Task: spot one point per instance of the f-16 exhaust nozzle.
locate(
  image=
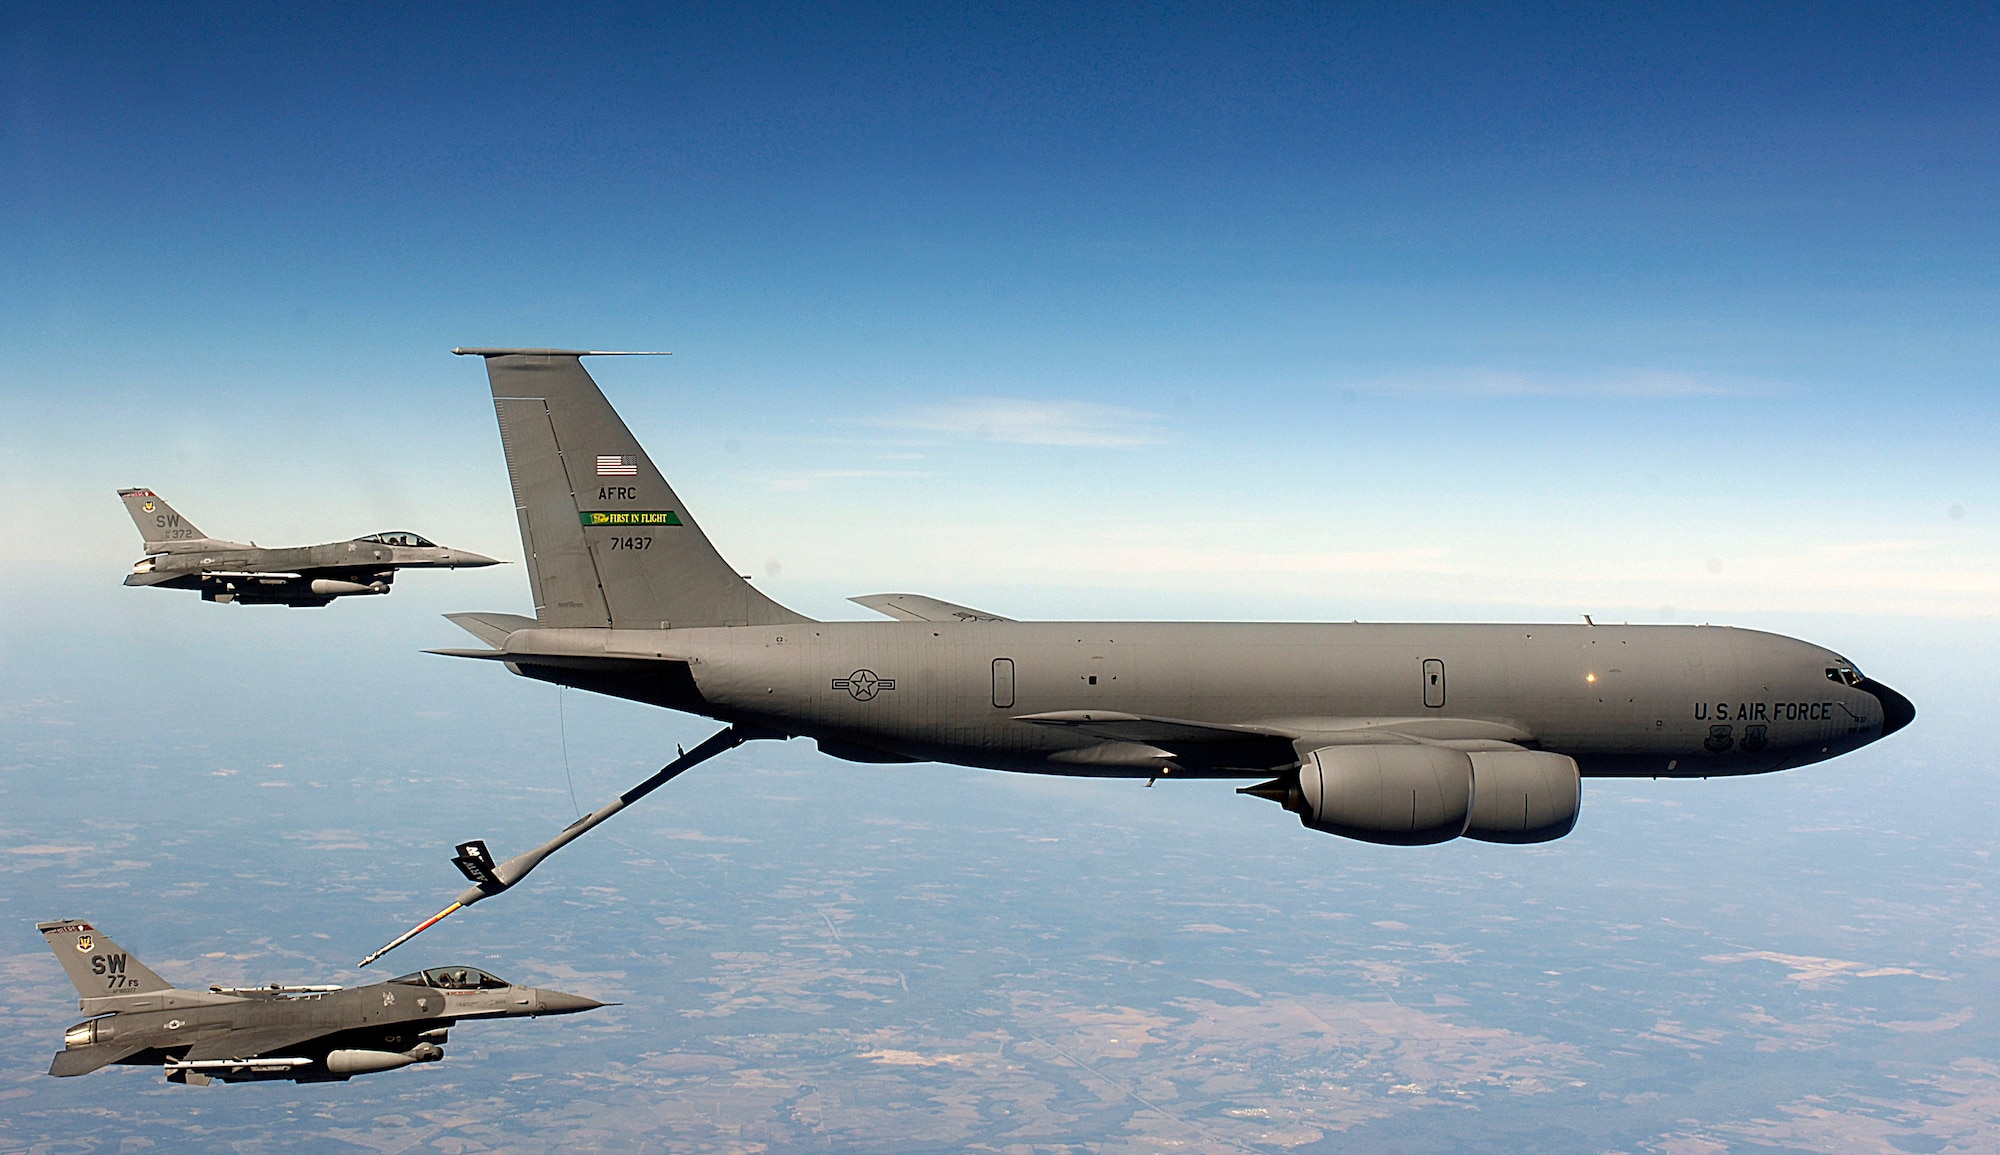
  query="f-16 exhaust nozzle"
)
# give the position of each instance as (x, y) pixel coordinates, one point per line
(490, 878)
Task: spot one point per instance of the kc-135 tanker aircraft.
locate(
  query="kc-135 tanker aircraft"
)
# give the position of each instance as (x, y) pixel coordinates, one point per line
(181, 557)
(1388, 733)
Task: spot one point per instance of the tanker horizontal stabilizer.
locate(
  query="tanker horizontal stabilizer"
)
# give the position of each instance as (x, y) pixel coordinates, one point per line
(493, 629)
(918, 608)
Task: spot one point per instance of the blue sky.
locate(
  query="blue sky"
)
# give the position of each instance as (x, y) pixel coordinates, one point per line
(1668, 314)
(1172, 311)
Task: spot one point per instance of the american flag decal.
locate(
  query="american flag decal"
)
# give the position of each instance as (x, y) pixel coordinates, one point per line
(615, 466)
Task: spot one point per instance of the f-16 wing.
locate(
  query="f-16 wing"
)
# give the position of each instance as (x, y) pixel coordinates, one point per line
(252, 1042)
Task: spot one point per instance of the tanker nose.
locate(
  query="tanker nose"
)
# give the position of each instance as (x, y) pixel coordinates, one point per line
(1897, 711)
(558, 1003)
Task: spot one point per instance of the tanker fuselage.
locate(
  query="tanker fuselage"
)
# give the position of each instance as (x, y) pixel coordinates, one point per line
(1667, 701)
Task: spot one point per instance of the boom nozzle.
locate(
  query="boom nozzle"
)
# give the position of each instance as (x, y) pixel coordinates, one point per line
(413, 932)
(489, 878)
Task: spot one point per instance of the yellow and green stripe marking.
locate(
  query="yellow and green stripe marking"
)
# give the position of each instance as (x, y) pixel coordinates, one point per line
(630, 517)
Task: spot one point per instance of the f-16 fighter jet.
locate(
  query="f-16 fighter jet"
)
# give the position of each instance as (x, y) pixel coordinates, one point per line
(181, 557)
(247, 1034)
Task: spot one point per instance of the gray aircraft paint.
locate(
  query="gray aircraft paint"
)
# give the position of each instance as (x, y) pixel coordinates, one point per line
(304, 1034)
(180, 556)
(632, 600)
(1622, 700)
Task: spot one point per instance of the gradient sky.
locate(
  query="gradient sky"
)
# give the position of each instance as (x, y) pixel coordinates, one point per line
(1179, 311)
(1454, 313)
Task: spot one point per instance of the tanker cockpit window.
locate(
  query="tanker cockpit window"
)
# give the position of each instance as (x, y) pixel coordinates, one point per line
(1845, 675)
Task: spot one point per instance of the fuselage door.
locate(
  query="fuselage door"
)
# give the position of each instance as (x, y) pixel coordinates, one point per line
(1434, 683)
(1003, 683)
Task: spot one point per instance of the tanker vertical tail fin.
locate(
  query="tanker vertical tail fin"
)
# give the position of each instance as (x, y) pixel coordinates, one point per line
(95, 964)
(608, 543)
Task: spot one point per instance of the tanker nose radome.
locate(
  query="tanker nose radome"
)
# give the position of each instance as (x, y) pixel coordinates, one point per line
(1897, 711)
(558, 1003)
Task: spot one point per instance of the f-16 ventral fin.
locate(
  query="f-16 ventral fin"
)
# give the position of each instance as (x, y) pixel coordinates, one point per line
(608, 542)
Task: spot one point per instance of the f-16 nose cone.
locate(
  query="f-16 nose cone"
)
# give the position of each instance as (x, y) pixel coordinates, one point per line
(461, 559)
(558, 1003)
(1897, 711)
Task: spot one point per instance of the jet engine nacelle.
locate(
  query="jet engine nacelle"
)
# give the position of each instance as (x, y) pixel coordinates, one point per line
(1523, 796)
(1411, 795)
(1398, 795)
(333, 588)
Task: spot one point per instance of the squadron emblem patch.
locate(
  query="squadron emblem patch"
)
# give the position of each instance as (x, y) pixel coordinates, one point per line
(83, 944)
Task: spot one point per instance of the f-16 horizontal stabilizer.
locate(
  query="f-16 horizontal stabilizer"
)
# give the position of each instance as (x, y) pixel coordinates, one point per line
(84, 1060)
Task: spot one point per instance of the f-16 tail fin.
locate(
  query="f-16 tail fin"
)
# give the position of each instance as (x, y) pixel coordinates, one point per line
(158, 523)
(98, 966)
(607, 541)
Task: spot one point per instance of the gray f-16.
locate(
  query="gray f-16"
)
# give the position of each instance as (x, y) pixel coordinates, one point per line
(244, 1034)
(1390, 733)
(181, 557)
